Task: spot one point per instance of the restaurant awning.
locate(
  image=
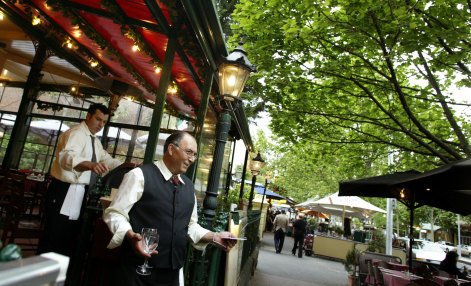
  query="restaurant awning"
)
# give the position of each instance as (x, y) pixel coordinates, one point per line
(447, 187)
(128, 40)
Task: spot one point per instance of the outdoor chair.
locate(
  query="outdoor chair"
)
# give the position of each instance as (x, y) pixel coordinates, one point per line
(370, 278)
(366, 256)
(12, 202)
(20, 227)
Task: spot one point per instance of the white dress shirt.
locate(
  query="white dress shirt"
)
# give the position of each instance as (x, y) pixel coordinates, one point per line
(130, 191)
(74, 147)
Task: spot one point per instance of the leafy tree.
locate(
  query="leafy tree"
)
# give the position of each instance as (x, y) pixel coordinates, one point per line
(225, 10)
(377, 75)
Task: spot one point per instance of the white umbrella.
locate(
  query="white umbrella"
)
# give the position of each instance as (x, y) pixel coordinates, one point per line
(342, 206)
(42, 128)
(113, 131)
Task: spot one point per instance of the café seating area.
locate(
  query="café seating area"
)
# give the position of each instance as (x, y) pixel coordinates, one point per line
(381, 269)
(22, 201)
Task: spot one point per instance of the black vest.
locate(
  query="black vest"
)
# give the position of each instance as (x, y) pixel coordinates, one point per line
(167, 208)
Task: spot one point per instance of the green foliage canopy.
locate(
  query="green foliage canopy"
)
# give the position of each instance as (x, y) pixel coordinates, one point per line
(365, 73)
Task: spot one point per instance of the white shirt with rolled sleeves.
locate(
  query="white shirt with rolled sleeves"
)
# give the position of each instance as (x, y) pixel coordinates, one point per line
(116, 216)
(74, 147)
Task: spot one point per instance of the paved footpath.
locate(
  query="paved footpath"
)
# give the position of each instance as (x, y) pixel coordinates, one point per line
(285, 269)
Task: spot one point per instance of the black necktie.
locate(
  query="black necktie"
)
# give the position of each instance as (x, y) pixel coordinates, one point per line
(93, 175)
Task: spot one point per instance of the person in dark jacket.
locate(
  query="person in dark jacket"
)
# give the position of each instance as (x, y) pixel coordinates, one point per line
(449, 265)
(299, 230)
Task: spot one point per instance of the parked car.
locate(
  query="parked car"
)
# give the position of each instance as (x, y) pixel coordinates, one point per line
(465, 250)
(446, 246)
(423, 250)
(428, 252)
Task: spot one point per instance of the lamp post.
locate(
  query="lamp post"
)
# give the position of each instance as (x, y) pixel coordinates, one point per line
(255, 166)
(267, 181)
(233, 74)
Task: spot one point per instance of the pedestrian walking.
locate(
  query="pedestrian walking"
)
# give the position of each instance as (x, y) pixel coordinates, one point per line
(280, 225)
(299, 230)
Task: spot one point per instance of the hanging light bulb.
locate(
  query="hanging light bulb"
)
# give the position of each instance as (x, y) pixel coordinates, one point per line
(93, 63)
(69, 45)
(157, 70)
(402, 193)
(135, 48)
(36, 21)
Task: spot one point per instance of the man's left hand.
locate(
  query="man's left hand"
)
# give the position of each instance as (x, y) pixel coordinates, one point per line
(221, 242)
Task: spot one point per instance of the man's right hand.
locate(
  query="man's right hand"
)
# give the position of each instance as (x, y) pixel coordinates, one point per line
(135, 239)
(99, 168)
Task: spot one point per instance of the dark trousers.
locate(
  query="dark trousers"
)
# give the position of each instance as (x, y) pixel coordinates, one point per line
(279, 240)
(126, 274)
(60, 234)
(298, 243)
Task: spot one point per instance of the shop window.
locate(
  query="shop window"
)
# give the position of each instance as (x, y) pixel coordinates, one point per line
(127, 112)
(10, 98)
(6, 125)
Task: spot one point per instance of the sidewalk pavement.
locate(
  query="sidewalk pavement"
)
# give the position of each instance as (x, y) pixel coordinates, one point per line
(285, 269)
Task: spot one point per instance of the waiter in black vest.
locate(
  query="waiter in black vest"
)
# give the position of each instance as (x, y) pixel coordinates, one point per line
(158, 195)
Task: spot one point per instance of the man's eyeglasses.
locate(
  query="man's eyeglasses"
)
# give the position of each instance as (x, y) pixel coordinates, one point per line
(189, 153)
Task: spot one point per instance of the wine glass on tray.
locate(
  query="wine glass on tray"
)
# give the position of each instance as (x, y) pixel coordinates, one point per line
(150, 240)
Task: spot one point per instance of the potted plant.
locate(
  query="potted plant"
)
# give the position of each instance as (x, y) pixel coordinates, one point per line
(351, 263)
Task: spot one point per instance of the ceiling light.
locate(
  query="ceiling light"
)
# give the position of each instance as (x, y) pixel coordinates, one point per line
(1, 16)
(173, 90)
(402, 194)
(36, 21)
(5, 72)
(157, 70)
(69, 45)
(135, 48)
(93, 64)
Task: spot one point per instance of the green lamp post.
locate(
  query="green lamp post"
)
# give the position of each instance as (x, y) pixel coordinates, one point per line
(255, 166)
(233, 74)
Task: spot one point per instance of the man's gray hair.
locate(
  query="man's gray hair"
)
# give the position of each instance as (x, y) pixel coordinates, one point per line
(175, 139)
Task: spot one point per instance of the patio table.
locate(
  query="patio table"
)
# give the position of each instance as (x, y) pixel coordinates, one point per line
(441, 280)
(398, 278)
(398, 267)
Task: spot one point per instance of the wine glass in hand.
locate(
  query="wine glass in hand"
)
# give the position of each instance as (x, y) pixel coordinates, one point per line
(150, 240)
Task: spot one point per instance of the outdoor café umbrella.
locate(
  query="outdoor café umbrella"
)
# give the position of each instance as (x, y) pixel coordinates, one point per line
(269, 194)
(447, 187)
(342, 206)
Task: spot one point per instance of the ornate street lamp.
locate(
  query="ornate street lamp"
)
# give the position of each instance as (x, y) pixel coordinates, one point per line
(233, 74)
(255, 165)
(267, 181)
